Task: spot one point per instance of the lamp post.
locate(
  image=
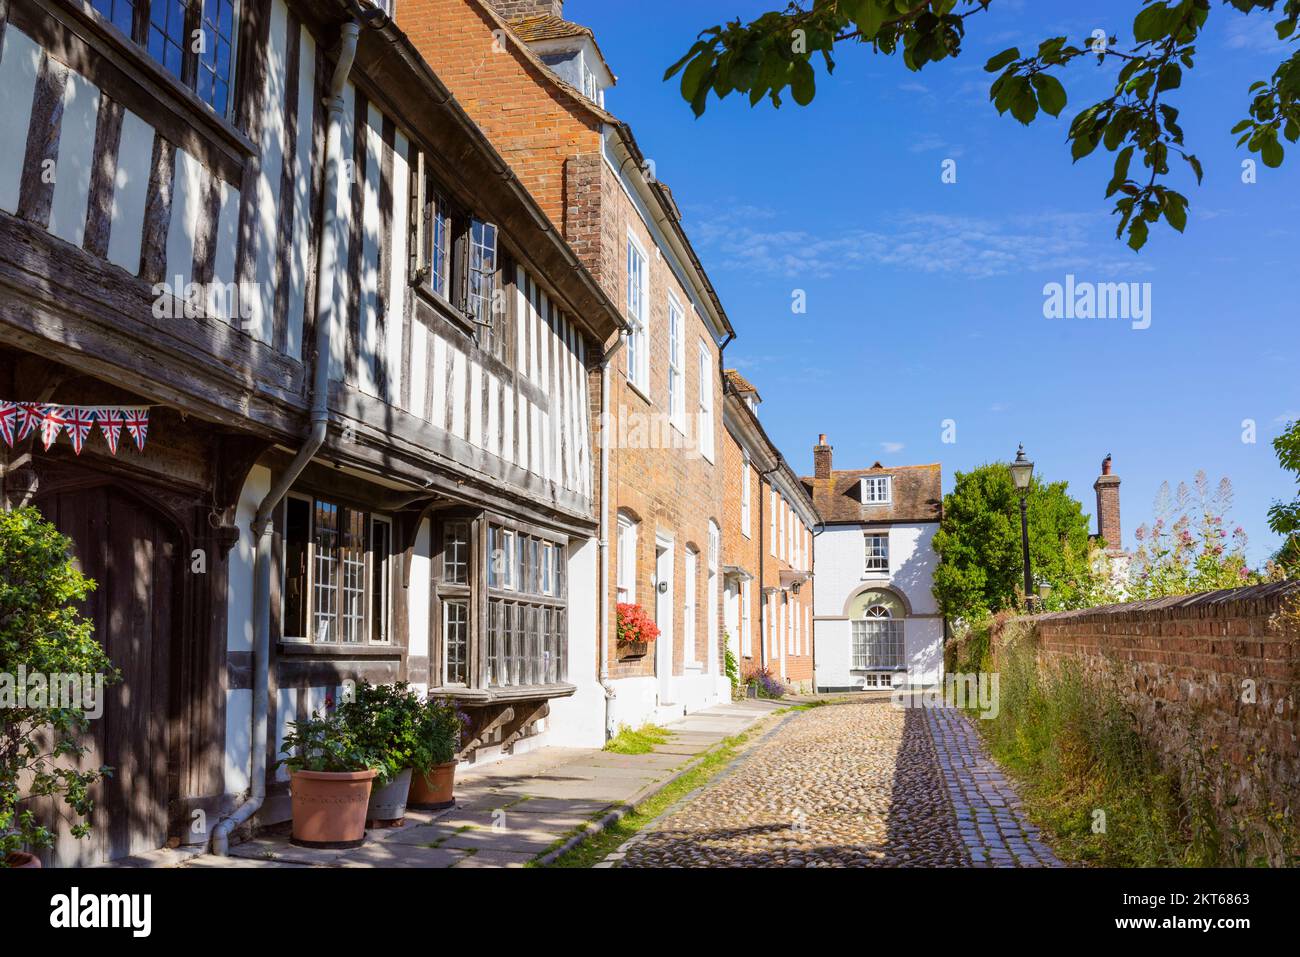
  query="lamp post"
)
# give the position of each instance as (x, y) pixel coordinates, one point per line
(1022, 470)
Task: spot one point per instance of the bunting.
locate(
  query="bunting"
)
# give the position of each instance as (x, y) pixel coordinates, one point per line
(19, 419)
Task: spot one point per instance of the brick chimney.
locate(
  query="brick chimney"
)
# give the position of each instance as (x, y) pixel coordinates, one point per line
(518, 9)
(1107, 489)
(822, 458)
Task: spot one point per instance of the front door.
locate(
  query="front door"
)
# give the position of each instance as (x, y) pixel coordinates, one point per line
(664, 619)
(131, 553)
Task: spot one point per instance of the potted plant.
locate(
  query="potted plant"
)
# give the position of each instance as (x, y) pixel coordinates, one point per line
(43, 632)
(433, 783)
(331, 772)
(636, 629)
(386, 721)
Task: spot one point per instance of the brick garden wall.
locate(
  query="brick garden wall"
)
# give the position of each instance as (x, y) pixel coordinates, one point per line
(1214, 675)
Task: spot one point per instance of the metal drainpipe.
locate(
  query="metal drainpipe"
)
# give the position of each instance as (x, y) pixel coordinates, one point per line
(261, 524)
(604, 527)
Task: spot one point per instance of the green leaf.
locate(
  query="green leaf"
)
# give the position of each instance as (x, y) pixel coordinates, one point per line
(1196, 166)
(1150, 24)
(803, 83)
(1171, 77)
(1137, 235)
(1002, 59)
(1176, 211)
(694, 75)
(1051, 94)
(1271, 151)
(1024, 107)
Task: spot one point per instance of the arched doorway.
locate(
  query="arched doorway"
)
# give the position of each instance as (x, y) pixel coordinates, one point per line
(132, 551)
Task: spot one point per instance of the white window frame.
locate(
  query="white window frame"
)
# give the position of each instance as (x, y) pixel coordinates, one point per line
(869, 554)
(638, 313)
(860, 645)
(745, 468)
(746, 637)
(872, 493)
(689, 609)
(706, 402)
(771, 529)
(676, 361)
(625, 587)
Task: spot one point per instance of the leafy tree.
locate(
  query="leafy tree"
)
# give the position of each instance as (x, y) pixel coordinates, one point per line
(981, 568)
(1284, 517)
(1188, 549)
(763, 57)
(42, 632)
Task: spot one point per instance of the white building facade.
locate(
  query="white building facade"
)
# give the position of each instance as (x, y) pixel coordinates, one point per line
(875, 619)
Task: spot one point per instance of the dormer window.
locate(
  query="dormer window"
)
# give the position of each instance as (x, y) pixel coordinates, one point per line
(877, 490)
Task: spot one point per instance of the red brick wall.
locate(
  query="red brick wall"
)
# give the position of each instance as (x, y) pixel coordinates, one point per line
(535, 127)
(1189, 668)
(746, 553)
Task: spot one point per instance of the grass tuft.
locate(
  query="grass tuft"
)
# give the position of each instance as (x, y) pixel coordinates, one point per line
(641, 740)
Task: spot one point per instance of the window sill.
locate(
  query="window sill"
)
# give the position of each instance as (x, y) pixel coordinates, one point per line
(337, 649)
(444, 308)
(481, 696)
(642, 391)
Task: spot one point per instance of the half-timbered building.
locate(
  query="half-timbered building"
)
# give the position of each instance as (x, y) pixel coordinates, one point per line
(365, 357)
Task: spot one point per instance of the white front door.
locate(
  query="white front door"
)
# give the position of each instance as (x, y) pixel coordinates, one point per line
(664, 619)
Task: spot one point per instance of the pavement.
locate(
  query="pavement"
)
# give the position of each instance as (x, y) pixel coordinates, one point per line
(510, 812)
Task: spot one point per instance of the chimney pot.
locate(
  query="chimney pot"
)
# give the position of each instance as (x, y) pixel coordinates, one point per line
(822, 458)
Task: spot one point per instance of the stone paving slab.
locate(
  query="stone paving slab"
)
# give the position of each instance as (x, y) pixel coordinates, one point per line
(508, 813)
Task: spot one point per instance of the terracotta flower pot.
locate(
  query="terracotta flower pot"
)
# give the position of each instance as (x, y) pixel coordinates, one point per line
(329, 807)
(388, 803)
(433, 790)
(22, 859)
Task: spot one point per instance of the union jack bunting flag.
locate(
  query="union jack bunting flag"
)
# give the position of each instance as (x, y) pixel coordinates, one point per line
(29, 417)
(8, 419)
(79, 421)
(52, 423)
(137, 423)
(110, 423)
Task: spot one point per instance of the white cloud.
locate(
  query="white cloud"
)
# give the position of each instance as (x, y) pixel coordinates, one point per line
(1255, 32)
(892, 447)
(1286, 418)
(925, 242)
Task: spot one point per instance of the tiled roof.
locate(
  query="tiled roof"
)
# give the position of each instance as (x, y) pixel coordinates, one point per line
(916, 493)
(738, 381)
(547, 27)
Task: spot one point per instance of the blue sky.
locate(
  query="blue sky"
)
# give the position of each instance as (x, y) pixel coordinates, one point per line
(925, 299)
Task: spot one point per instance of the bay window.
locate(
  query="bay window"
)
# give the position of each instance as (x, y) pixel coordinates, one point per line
(501, 593)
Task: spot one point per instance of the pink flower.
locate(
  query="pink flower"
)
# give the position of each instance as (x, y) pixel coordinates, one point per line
(1243, 572)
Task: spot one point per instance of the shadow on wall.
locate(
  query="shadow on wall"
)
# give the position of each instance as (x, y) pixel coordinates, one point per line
(915, 577)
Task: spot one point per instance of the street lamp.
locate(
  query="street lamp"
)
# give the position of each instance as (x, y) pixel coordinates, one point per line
(1022, 470)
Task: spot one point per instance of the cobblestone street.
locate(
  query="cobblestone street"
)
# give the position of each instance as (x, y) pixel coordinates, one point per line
(853, 784)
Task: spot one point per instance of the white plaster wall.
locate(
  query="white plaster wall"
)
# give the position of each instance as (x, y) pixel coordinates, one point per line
(839, 552)
(635, 701)
(239, 628)
(579, 721)
(417, 599)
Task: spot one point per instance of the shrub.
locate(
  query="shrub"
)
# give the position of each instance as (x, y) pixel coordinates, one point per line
(326, 742)
(442, 723)
(387, 722)
(730, 666)
(768, 684)
(43, 632)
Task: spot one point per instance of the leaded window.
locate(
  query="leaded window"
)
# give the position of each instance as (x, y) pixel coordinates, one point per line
(335, 585)
(877, 640)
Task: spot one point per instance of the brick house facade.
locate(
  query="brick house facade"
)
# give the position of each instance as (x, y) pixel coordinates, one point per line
(768, 587)
(664, 413)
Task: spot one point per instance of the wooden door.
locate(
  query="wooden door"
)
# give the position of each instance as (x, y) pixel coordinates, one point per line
(131, 553)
